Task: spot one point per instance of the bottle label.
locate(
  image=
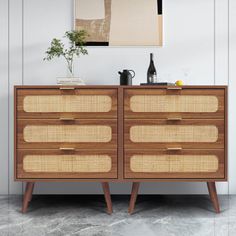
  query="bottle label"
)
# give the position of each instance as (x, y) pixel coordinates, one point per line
(153, 78)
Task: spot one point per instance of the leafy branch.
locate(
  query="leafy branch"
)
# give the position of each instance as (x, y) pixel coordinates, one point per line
(77, 40)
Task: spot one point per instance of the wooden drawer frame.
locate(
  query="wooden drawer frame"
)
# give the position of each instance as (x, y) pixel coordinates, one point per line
(21, 174)
(219, 93)
(137, 175)
(22, 144)
(22, 93)
(121, 111)
(185, 145)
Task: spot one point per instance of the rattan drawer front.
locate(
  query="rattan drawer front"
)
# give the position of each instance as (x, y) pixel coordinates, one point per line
(56, 134)
(184, 103)
(175, 164)
(67, 103)
(67, 164)
(163, 134)
(67, 134)
(76, 103)
(173, 103)
(173, 133)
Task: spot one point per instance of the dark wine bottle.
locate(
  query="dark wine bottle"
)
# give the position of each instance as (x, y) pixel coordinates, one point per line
(151, 73)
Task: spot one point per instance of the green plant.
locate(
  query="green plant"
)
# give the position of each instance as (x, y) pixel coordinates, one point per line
(75, 48)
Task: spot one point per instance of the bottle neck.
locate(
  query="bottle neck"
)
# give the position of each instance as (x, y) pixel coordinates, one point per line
(151, 57)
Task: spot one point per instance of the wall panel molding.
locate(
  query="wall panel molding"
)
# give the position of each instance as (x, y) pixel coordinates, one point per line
(15, 78)
(232, 96)
(221, 44)
(221, 41)
(4, 73)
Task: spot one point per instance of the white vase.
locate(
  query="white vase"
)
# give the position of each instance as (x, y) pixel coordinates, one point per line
(70, 79)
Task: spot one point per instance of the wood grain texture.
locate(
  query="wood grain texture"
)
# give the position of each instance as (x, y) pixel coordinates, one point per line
(62, 137)
(164, 103)
(133, 197)
(121, 126)
(120, 134)
(107, 194)
(23, 173)
(30, 99)
(213, 196)
(172, 155)
(146, 140)
(27, 196)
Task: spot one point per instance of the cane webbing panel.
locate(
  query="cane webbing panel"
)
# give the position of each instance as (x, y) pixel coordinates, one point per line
(67, 103)
(174, 163)
(67, 163)
(173, 103)
(173, 133)
(67, 133)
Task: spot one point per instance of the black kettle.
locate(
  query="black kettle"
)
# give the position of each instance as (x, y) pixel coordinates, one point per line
(126, 77)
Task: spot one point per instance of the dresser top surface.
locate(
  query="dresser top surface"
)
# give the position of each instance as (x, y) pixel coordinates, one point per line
(118, 86)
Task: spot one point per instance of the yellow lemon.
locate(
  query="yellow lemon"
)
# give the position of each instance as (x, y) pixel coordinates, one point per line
(179, 83)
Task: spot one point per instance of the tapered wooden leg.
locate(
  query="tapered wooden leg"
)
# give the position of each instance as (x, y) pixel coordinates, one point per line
(133, 197)
(27, 196)
(213, 195)
(31, 195)
(107, 195)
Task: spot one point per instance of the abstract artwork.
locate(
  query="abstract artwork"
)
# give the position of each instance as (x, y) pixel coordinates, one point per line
(120, 22)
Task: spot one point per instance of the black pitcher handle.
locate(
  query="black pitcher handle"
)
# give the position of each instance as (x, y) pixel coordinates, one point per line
(133, 73)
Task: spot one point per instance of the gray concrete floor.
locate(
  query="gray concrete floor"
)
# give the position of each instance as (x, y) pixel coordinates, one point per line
(86, 216)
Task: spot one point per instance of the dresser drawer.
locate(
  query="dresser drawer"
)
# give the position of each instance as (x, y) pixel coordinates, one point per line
(58, 164)
(56, 134)
(175, 164)
(75, 103)
(175, 102)
(142, 134)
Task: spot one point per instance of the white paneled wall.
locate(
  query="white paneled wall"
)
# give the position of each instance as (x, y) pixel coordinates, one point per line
(221, 41)
(15, 78)
(195, 50)
(4, 96)
(232, 96)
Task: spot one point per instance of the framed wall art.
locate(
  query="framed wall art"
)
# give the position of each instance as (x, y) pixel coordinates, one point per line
(120, 22)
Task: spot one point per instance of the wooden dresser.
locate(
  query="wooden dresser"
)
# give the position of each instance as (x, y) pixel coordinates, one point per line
(65, 134)
(120, 134)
